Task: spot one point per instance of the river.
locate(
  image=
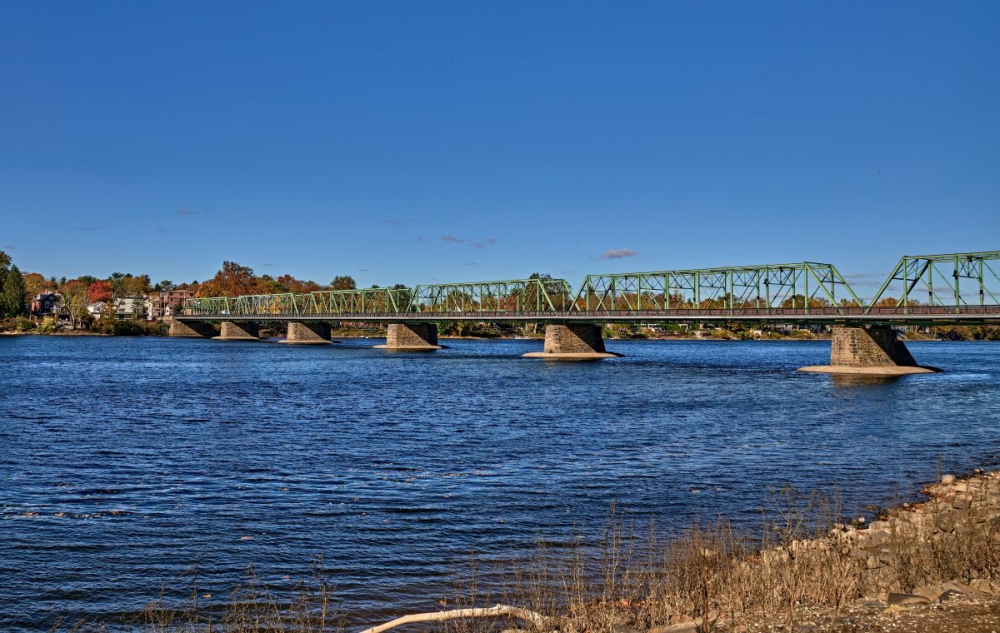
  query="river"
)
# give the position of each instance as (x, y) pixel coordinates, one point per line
(126, 461)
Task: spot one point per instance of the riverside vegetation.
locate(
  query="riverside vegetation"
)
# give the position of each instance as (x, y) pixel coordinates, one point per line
(933, 565)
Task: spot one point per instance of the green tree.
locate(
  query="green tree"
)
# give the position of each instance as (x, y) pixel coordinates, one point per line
(4, 265)
(13, 294)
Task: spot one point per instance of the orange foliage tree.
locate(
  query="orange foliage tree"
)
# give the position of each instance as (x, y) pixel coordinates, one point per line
(99, 291)
(231, 281)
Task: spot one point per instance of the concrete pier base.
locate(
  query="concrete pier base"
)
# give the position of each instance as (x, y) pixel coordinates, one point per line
(874, 350)
(191, 329)
(573, 341)
(411, 337)
(242, 331)
(308, 334)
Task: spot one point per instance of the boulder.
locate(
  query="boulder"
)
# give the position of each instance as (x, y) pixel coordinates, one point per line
(907, 599)
(951, 595)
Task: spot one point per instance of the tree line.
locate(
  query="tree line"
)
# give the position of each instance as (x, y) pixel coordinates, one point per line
(80, 293)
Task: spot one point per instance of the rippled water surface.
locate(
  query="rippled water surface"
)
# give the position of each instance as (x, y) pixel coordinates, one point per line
(125, 461)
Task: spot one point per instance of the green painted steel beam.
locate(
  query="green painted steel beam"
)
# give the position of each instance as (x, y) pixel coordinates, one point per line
(954, 284)
(546, 295)
(936, 280)
(804, 285)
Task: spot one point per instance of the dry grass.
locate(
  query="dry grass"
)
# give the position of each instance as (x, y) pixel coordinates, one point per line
(802, 555)
(252, 608)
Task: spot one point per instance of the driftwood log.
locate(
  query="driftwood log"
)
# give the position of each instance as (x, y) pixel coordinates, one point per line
(482, 612)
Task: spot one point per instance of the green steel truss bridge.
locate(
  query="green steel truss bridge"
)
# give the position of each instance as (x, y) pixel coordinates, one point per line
(956, 288)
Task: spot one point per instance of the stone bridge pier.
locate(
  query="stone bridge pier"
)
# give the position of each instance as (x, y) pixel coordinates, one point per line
(411, 337)
(192, 329)
(573, 341)
(874, 350)
(312, 333)
(239, 331)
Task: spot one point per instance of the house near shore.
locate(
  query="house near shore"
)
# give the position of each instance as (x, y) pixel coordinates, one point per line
(125, 308)
(45, 304)
(166, 302)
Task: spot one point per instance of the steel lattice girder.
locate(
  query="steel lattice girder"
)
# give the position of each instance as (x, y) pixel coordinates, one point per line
(508, 296)
(945, 270)
(768, 286)
(754, 291)
(380, 301)
(385, 301)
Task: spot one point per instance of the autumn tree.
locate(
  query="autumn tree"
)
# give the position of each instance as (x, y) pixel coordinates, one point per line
(35, 283)
(291, 284)
(75, 297)
(343, 282)
(799, 301)
(231, 281)
(134, 286)
(99, 291)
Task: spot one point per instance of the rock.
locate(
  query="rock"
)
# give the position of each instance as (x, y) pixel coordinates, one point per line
(983, 585)
(931, 592)
(907, 599)
(945, 522)
(960, 504)
(868, 604)
(622, 628)
(683, 627)
(876, 538)
(963, 589)
(947, 480)
(886, 557)
(950, 596)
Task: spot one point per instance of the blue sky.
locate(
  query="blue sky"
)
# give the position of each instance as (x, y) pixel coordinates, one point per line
(447, 141)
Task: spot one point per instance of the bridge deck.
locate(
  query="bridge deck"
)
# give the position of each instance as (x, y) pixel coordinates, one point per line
(912, 315)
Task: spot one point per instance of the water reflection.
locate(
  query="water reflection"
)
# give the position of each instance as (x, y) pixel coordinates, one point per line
(862, 380)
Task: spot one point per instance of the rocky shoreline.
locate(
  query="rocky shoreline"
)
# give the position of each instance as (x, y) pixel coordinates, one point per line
(958, 524)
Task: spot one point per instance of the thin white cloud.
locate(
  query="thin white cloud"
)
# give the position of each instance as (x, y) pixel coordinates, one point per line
(618, 253)
(451, 239)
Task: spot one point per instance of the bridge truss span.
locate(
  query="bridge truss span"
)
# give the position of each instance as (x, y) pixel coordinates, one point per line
(761, 290)
(936, 281)
(539, 295)
(961, 288)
